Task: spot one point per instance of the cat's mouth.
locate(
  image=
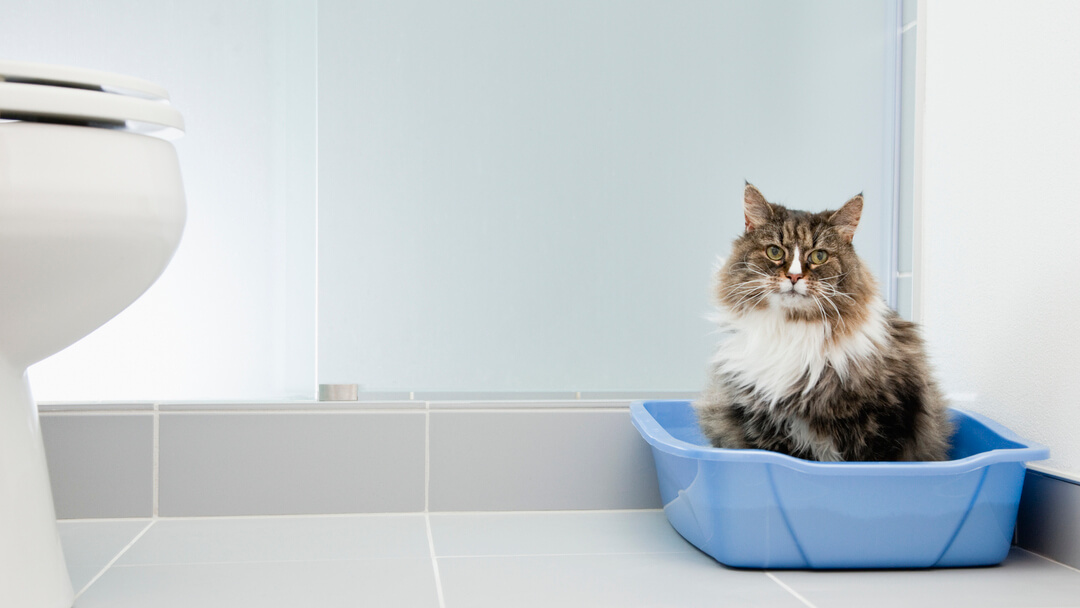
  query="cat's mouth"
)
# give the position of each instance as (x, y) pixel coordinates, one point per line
(799, 288)
(793, 296)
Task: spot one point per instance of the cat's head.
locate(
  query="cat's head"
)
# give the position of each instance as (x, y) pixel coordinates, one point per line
(797, 263)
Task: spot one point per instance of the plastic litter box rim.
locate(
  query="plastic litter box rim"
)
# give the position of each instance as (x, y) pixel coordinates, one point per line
(658, 437)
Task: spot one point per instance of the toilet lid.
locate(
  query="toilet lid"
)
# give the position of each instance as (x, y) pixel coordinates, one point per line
(61, 75)
(30, 91)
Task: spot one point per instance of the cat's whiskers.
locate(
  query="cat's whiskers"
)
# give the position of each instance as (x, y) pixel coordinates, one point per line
(833, 291)
(754, 291)
(745, 293)
(827, 292)
(764, 294)
(753, 268)
(824, 318)
(763, 275)
(760, 295)
(746, 286)
(839, 317)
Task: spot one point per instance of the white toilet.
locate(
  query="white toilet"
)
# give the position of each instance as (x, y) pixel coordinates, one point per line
(91, 211)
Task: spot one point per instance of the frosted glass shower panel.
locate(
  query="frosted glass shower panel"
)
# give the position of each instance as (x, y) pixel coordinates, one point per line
(531, 196)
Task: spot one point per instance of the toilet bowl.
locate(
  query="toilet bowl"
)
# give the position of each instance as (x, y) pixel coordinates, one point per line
(91, 211)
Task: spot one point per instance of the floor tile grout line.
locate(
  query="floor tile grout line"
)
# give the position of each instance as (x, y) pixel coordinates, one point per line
(434, 562)
(97, 520)
(305, 560)
(785, 587)
(114, 559)
(689, 550)
(363, 514)
(1049, 559)
(547, 511)
(256, 516)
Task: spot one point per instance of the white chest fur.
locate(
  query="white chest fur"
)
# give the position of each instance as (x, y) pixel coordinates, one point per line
(777, 357)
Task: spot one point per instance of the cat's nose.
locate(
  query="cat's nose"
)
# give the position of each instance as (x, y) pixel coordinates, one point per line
(794, 277)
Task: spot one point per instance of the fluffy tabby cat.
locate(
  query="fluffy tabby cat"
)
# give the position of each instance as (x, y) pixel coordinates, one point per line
(813, 363)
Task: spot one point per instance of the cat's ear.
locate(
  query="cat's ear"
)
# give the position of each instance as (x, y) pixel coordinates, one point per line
(756, 209)
(846, 219)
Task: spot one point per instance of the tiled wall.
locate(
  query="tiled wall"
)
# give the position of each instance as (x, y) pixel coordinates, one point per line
(101, 464)
(176, 460)
(138, 460)
(1049, 518)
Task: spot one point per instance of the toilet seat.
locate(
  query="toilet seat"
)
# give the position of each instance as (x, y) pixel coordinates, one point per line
(61, 75)
(47, 93)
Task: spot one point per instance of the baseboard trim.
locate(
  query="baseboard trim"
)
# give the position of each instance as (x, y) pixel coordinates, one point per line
(1049, 519)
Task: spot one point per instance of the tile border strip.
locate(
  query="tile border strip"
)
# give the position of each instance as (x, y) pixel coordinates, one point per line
(1048, 521)
(387, 401)
(308, 408)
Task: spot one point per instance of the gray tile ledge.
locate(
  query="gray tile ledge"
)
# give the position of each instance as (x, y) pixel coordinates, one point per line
(639, 395)
(1048, 521)
(389, 401)
(290, 463)
(531, 405)
(100, 463)
(534, 459)
(386, 396)
(1045, 471)
(433, 396)
(294, 406)
(83, 408)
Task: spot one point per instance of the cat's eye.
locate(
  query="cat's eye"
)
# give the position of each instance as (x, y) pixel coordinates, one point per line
(774, 253)
(818, 257)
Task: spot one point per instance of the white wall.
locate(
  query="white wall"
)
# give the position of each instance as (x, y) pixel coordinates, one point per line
(1001, 213)
(233, 317)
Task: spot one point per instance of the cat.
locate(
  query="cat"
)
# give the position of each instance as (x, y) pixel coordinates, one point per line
(813, 363)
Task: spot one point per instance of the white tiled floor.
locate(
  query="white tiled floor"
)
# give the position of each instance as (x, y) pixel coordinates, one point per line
(447, 560)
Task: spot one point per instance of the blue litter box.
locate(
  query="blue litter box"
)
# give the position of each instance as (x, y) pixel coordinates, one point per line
(761, 509)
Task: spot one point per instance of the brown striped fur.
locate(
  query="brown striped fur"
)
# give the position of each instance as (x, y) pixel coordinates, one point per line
(822, 371)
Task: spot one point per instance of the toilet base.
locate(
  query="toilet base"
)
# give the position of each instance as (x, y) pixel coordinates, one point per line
(32, 569)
